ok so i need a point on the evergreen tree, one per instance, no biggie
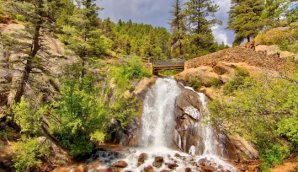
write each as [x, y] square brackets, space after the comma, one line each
[273, 12]
[39, 18]
[200, 18]
[178, 29]
[82, 34]
[292, 14]
[245, 19]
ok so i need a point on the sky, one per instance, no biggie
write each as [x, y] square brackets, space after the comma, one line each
[157, 13]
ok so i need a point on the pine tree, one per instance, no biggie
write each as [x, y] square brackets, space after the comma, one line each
[292, 14]
[245, 19]
[178, 29]
[273, 11]
[39, 17]
[82, 34]
[200, 18]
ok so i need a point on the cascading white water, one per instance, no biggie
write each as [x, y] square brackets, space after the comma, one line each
[158, 119]
[209, 146]
[158, 131]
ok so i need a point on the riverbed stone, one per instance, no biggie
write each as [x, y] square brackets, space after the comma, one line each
[158, 161]
[120, 164]
[142, 158]
[172, 166]
[148, 169]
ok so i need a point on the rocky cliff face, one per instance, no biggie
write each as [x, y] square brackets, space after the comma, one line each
[53, 58]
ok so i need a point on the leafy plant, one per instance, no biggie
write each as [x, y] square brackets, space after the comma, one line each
[29, 154]
[272, 156]
[194, 83]
[215, 82]
[28, 117]
[237, 82]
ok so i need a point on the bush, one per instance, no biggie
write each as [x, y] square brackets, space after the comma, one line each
[29, 154]
[28, 117]
[289, 128]
[194, 83]
[264, 111]
[130, 69]
[272, 156]
[82, 116]
[240, 77]
[215, 82]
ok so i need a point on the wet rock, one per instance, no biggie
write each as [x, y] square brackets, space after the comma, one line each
[172, 166]
[80, 168]
[188, 169]
[142, 158]
[120, 164]
[143, 85]
[158, 161]
[148, 169]
[165, 171]
[177, 155]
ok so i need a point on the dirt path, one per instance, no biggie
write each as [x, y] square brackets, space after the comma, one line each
[288, 166]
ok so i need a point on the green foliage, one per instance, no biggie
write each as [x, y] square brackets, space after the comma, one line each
[82, 116]
[273, 11]
[288, 127]
[169, 72]
[273, 155]
[29, 154]
[200, 19]
[178, 30]
[130, 69]
[292, 15]
[143, 40]
[237, 82]
[287, 39]
[215, 82]
[262, 111]
[194, 83]
[81, 32]
[245, 19]
[28, 117]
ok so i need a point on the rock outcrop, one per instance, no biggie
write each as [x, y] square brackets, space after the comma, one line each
[189, 126]
[238, 55]
[53, 59]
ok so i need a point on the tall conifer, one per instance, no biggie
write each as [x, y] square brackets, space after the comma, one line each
[246, 19]
[178, 29]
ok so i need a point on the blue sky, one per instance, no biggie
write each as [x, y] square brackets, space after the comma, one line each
[157, 13]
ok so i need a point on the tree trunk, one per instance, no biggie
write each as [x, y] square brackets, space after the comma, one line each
[248, 39]
[28, 66]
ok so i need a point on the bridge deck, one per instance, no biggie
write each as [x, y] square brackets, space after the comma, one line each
[172, 64]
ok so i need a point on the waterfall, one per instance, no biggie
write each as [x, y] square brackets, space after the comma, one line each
[158, 119]
[209, 142]
[158, 133]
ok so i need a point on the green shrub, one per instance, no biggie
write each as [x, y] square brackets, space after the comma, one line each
[237, 82]
[289, 127]
[28, 117]
[263, 111]
[29, 154]
[81, 114]
[194, 83]
[131, 69]
[273, 155]
[215, 82]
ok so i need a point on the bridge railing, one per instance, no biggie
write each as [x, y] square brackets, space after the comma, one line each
[169, 62]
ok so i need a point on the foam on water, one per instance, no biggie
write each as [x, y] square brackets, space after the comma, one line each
[158, 132]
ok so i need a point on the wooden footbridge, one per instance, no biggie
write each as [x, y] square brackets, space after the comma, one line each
[169, 64]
